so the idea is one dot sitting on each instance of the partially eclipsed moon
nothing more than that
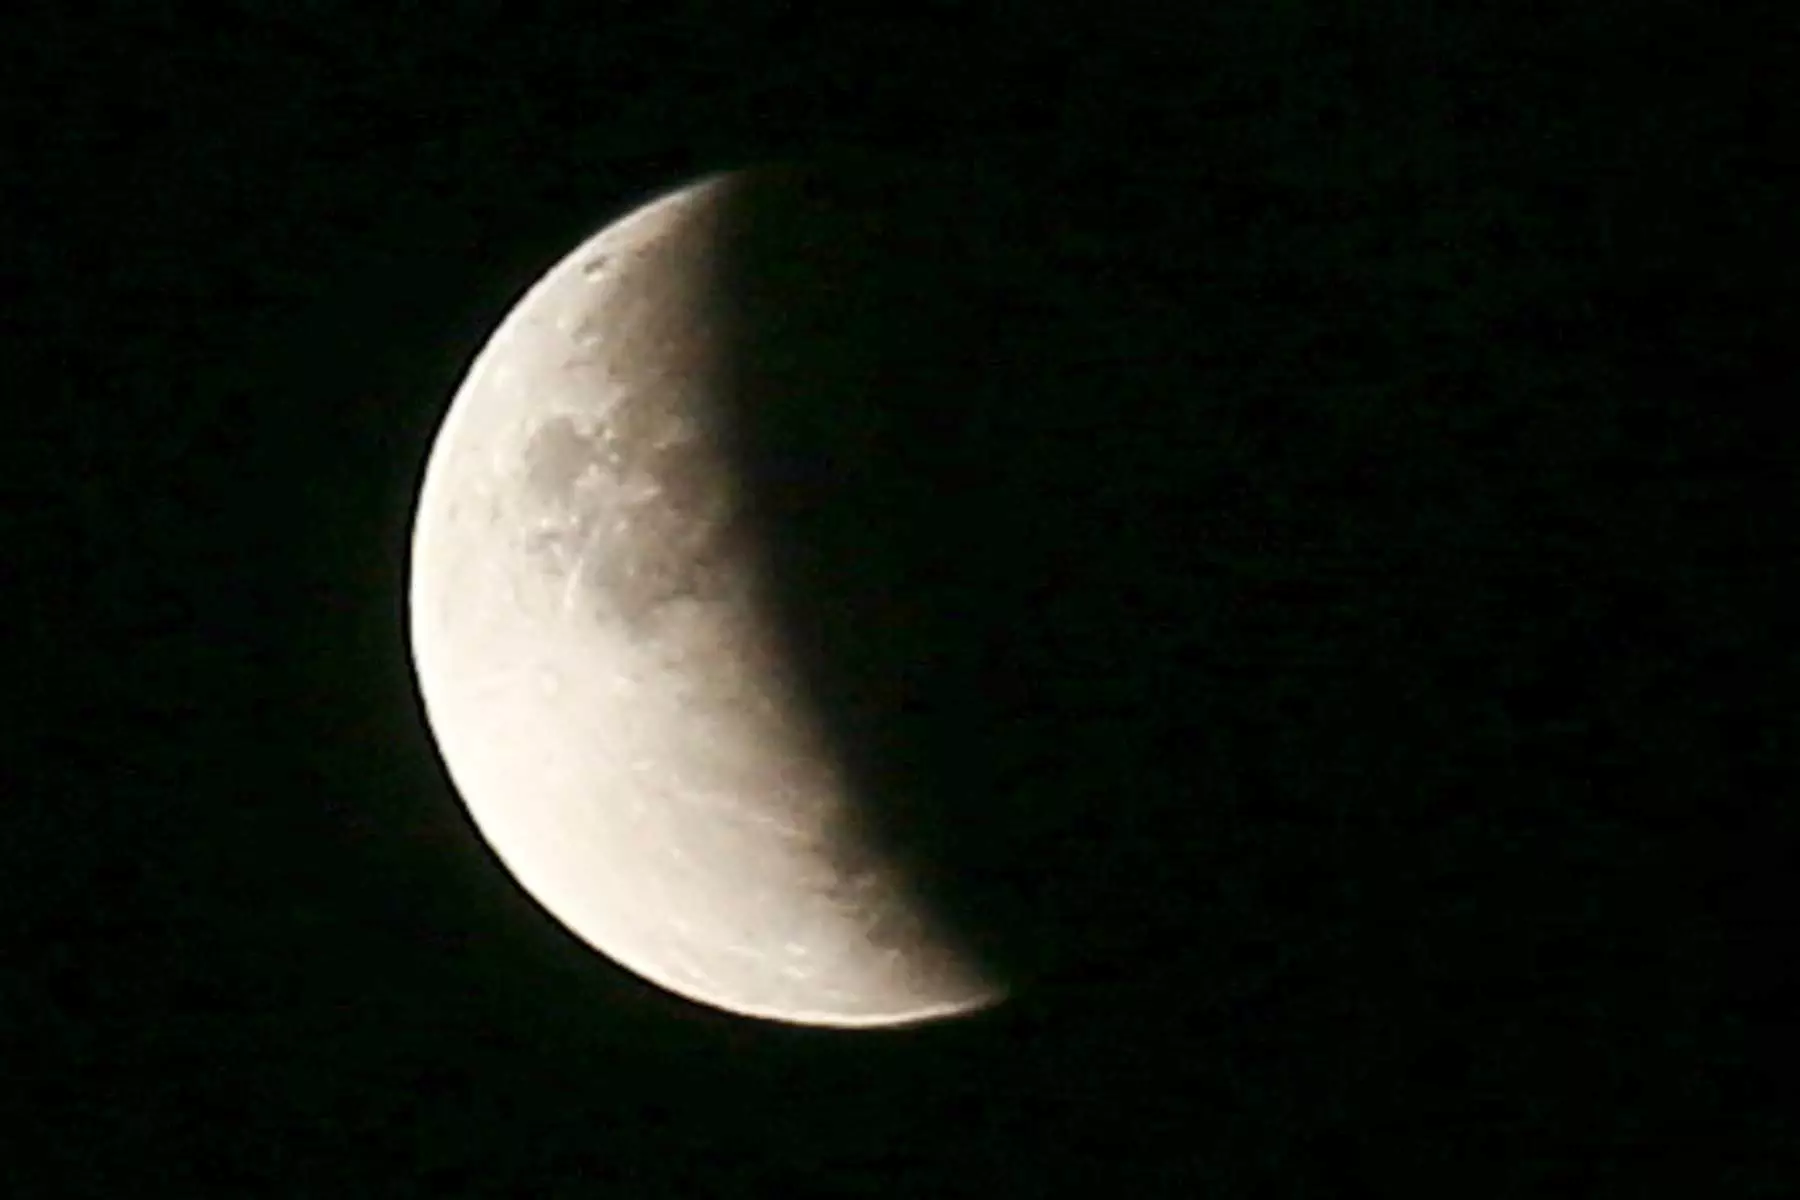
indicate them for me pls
(607, 694)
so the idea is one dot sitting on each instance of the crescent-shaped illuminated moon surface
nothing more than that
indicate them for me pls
(604, 686)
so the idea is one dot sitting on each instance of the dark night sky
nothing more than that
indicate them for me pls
(1350, 640)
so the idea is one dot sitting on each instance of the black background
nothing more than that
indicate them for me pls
(1321, 630)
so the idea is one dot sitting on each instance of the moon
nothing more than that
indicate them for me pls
(598, 667)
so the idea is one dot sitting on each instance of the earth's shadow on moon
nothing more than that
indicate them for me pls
(931, 400)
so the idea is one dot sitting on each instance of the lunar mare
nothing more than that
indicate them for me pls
(609, 697)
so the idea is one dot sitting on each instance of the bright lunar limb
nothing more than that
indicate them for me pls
(606, 693)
